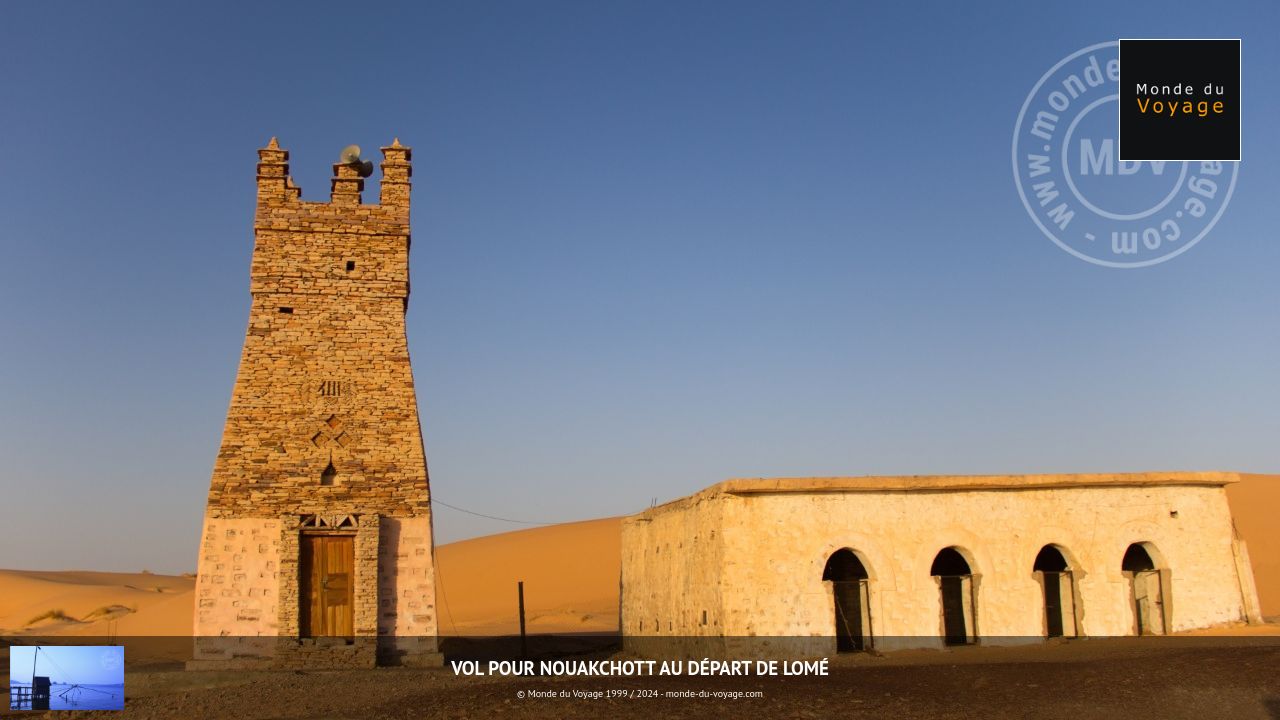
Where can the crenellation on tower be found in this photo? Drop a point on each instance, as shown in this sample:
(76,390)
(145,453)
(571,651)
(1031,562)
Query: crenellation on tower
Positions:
(346,185)
(273,173)
(397,171)
(321,477)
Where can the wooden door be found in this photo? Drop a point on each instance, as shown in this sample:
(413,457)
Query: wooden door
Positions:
(1068,605)
(970,608)
(864,606)
(1052,603)
(1148,602)
(956,613)
(849,614)
(328,586)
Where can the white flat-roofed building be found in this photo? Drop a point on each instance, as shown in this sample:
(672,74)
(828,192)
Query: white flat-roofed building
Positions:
(855,563)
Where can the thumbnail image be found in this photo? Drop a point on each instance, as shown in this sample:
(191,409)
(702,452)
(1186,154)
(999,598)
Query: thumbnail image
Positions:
(66,677)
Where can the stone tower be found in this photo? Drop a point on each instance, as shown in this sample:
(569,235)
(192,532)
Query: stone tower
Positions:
(317,545)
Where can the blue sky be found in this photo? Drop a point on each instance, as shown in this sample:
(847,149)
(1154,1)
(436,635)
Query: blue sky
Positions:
(656,245)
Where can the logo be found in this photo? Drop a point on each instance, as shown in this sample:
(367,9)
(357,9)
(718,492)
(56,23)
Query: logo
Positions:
(1107,211)
(1180,99)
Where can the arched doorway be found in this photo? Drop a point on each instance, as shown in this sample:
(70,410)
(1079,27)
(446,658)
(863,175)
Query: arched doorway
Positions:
(1055,575)
(1149,589)
(851,592)
(955,584)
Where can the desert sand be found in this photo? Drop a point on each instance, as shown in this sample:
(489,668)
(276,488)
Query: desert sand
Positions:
(94,603)
(570,571)
(1255,505)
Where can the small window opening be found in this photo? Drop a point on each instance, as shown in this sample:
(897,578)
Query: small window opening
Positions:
(704,617)
(286,310)
(327,477)
(351,265)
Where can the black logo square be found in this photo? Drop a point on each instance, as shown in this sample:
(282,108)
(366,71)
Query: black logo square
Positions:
(1179,99)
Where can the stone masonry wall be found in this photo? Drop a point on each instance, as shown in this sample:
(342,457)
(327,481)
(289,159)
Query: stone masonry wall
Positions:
(237,586)
(672,580)
(407,619)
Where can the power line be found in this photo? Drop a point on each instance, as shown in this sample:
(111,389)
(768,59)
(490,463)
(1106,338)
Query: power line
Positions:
(490,517)
(443,594)
(50,659)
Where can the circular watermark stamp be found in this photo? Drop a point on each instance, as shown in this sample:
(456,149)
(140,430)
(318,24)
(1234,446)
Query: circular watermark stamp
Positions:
(112,657)
(1104,210)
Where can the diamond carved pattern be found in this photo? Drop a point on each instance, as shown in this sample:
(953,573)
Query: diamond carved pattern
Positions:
(332,432)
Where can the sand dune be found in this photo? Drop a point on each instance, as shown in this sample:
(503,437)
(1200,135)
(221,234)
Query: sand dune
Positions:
(570,571)
(95,603)
(570,575)
(1255,505)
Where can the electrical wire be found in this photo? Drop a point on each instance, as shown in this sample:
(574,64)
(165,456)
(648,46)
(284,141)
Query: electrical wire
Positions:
(490,517)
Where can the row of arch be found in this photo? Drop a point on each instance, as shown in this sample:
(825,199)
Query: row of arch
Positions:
(851,594)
